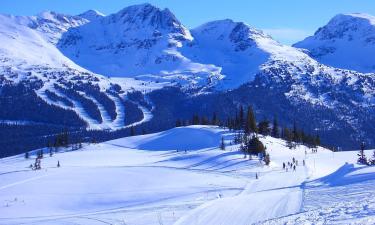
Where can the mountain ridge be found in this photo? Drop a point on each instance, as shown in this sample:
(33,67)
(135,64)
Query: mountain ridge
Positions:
(62,57)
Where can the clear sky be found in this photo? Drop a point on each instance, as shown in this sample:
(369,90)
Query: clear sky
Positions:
(286,20)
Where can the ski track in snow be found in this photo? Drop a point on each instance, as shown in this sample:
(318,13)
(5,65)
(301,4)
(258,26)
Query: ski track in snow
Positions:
(147,114)
(107,123)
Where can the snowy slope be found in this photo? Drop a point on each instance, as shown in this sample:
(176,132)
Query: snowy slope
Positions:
(347,42)
(25,44)
(152,180)
(30,58)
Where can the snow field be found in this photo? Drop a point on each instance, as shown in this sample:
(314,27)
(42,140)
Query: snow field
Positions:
(150,179)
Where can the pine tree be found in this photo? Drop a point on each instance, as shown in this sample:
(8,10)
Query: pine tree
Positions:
(296,135)
(255,146)
(222,145)
(267,159)
(275,128)
(132,131)
(361,155)
(178,123)
(317,140)
(287,135)
(264,127)
(372,161)
(250,125)
(238,138)
(241,118)
(214,120)
(204,120)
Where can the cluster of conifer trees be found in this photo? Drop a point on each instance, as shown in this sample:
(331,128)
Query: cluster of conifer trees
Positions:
(247,129)
(362,159)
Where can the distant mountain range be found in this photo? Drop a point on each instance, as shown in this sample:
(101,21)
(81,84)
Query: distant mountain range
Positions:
(142,67)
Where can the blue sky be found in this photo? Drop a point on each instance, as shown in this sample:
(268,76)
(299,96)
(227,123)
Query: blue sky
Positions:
(286,20)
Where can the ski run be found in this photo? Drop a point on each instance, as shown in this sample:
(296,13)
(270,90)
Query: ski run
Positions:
(181,176)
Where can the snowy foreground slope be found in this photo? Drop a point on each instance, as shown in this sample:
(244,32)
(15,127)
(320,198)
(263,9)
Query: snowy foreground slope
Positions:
(150,179)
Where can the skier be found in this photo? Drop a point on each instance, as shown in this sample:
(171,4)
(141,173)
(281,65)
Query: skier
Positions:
(303,162)
(283,165)
(256,176)
(58,164)
(296,162)
(294,168)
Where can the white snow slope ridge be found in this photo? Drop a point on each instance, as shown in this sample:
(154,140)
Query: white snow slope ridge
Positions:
(166,178)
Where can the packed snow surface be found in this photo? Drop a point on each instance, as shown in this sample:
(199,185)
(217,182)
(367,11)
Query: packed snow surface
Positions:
(180,176)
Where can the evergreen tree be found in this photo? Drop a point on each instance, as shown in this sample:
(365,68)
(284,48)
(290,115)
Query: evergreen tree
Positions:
(264,127)
(255,146)
(214,120)
(132,131)
(372,161)
(204,121)
(178,123)
(361,155)
(195,120)
(275,129)
(241,118)
(287,135)
(267,159)
(317,140)
(296,135)
(250,125)
(238,138)
(222,145)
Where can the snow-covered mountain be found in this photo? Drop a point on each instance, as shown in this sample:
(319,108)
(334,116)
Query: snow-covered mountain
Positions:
(347,42)
(60,61)
(150,42)
(138,40)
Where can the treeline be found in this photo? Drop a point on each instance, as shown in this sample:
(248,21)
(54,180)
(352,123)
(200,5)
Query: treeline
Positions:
(245,124)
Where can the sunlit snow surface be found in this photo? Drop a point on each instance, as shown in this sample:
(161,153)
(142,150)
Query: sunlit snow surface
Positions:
(150,179)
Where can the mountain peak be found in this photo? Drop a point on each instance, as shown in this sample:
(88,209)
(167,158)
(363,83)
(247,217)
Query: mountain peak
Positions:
(147,15)
(239,33)
(91,15)
(347,41)
(346,26)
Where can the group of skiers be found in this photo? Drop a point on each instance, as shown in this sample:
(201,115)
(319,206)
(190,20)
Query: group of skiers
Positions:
(292,165)
(37,164)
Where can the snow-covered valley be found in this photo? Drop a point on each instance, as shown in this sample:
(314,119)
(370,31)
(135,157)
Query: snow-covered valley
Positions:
(181,176)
